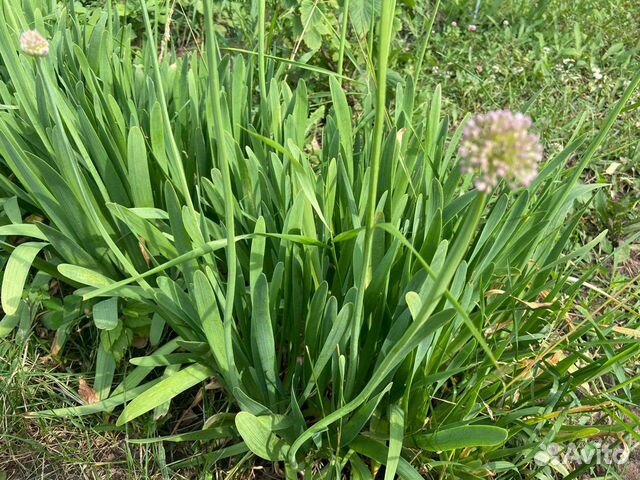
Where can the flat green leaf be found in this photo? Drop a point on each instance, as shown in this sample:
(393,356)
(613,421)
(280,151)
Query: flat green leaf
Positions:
(105,314)
(12,209)
(107,287)
(362,13)
(257,433)
(22,230)
(105,370)
(157,138)
(257,253)
(156,329)
(314,24)
(263,342)
(164,391)
(160,360)
(15,274)
(456,438)
(84,276)
(205,435)
(343,121)
(207,307)
(396,438)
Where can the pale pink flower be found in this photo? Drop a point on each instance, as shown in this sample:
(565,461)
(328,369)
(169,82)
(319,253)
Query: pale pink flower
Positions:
(499,145)
(34,44)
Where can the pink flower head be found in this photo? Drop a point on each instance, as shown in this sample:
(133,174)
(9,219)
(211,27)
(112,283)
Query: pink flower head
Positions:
(34,44)
(499,145)
(472,28)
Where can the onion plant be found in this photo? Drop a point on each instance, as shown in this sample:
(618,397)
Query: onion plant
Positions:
(361,303)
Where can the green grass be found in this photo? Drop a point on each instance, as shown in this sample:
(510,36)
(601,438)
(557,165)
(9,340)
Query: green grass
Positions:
(566,64)
(567,365)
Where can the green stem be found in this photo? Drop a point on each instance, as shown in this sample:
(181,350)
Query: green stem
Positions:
(109,17)
(261,51)
(343,38)
(229,201)
(425,43)
(386,26)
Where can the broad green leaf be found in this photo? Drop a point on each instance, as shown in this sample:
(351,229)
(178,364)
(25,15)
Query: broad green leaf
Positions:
(105,314)
(207,307)
(160,360)
(414,303)
(263,343)
(156,329)
(22,230)
(258,434)
(105,370)
(456,438)
(164,391)
(84,276)
(257,253)
(314,23)
(15,274)
(135,377)
(396,438)
(362,14)
(157,138)
(343,120)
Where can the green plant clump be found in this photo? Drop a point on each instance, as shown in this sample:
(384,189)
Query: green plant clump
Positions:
(363,307)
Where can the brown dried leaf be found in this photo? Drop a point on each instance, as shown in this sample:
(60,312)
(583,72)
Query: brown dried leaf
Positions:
(56,345)
(556,358)
(142,243)
(535,305)
(493,292)
(87,394)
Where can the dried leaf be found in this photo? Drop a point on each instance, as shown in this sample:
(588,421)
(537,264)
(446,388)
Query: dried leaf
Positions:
(142,243)
(612,168)
(496,328)
(400,135)
(627,331)
(493,292)
(556,358)
(56,345)
(87,394)
(536,305)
